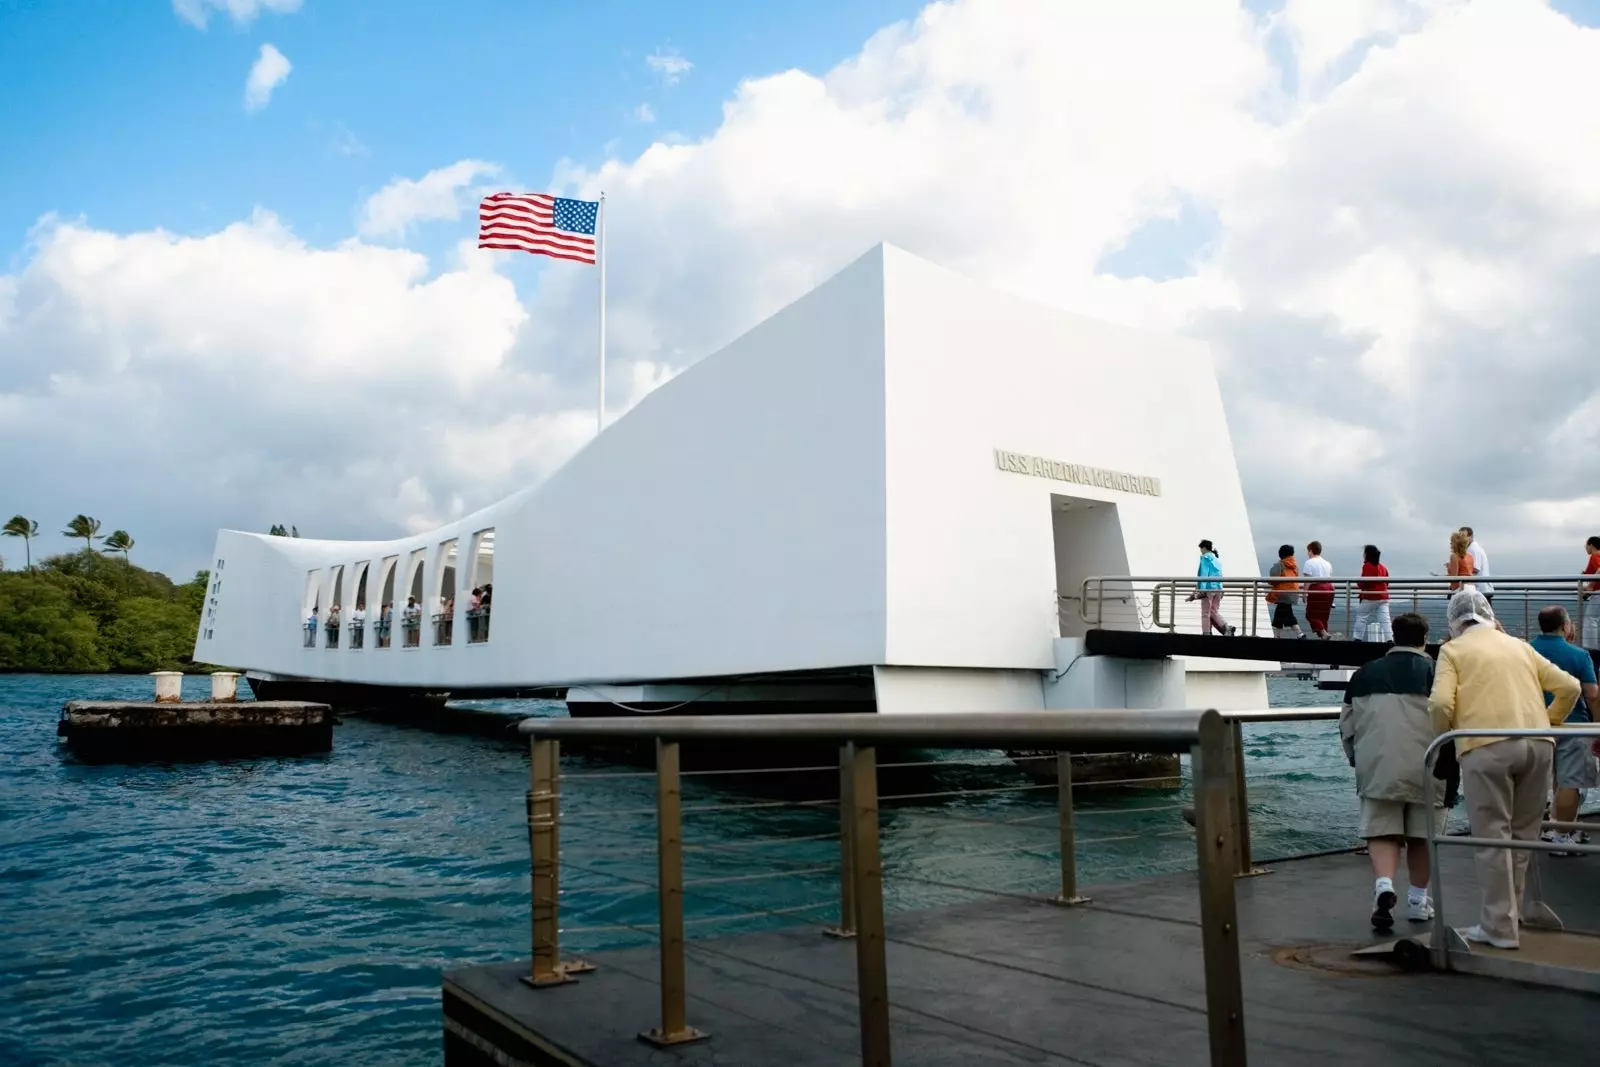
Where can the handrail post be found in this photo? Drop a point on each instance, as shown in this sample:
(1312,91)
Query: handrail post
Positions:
(1219,920)
(1241,804)
(872,968)
(544,849)
(674,1028)
(847,848)
(1069,832)
(1349,617)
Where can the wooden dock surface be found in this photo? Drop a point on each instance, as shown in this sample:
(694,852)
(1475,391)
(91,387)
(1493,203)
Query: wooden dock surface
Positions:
(1011,981)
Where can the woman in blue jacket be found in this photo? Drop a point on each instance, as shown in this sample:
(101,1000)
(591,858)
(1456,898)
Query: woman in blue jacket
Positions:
(1209,592)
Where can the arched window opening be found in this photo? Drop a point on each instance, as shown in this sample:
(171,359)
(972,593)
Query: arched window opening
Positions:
(358,614)
(443,604)
(385,618)
(481,582)
(310,605)
(411,614)
(335,600)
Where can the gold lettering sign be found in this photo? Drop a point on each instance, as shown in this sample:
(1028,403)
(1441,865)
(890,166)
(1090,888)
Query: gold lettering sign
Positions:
(1076,473)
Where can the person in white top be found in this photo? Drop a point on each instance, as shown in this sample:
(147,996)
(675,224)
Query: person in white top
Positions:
(1319,593)
(1480,563)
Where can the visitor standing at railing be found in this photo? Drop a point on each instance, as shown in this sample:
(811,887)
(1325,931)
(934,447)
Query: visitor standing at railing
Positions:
(1575,769)
(1480,564)
(1285,594)
(1372,609)
(1591,609)
(1460,564)
(1486,679)
(1209,593)
(1386,729)
(1319,597)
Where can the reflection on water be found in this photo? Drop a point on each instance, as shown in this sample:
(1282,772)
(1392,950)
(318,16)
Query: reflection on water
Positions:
(299,911)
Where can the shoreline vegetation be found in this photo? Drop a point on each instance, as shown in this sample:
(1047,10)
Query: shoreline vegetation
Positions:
(88,612)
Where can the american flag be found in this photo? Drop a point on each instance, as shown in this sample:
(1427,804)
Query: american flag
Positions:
(539,223)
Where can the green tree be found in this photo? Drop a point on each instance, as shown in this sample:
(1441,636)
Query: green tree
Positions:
(27,529)
(193,592)
(149,635)
(85,527)
(119,541)
(41,629)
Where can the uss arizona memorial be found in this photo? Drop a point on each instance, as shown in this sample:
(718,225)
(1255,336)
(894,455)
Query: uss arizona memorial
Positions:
(886,496)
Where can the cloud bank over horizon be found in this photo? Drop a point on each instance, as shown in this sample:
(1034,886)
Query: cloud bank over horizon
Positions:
(1383,217)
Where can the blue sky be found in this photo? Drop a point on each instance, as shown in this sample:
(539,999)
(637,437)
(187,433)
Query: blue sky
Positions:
(1134,161)
(137,121)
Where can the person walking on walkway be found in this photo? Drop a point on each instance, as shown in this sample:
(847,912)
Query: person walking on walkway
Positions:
(1480,564)
(1319,597)
(1486,679)
(1575,767)
(1285,594)
(1460,564)
(1386,728)
(1372,609)
(1209,592)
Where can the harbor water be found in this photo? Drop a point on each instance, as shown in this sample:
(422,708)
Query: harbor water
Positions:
(300,911)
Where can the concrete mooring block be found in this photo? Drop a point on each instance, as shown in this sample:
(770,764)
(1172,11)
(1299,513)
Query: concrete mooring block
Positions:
(224,687)
(169,686)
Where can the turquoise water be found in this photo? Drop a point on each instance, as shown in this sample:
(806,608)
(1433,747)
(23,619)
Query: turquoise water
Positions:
(300,911)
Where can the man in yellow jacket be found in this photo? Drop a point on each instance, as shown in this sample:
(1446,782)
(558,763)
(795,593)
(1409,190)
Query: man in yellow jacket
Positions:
(1488,680)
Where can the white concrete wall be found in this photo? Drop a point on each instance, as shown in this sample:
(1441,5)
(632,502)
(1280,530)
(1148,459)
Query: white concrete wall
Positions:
(731,523)
(822,493)
(972,565)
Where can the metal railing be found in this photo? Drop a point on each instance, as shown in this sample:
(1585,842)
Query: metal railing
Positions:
(1445,942)
(1168,602)
(358,633)
(332,626)
(477,625)
(1219,814)
(444,628)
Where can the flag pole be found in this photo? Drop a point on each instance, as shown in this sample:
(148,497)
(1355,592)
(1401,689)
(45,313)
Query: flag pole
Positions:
(600,413)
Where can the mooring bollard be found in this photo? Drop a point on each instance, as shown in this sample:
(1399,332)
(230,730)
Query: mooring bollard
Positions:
(169,686)
(224,687)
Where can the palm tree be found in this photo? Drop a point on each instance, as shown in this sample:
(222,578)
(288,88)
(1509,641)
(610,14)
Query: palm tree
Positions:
(26,529)
(85,527)
(119,541)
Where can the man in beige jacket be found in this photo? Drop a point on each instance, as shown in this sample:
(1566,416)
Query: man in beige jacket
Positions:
(1488,680)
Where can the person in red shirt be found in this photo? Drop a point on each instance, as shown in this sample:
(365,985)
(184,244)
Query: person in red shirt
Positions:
(1372,609)
(1589,632)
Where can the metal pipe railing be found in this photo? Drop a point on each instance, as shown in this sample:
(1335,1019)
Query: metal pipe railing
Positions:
(1096,591)
(1439,943)
(1209,738)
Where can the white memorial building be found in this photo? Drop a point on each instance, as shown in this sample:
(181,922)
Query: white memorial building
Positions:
(887,495)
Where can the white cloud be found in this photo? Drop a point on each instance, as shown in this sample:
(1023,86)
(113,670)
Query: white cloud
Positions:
(436,195)
(1399,288)
(266,74)
(644,113)
(669,65)
(198,12)
(346,143)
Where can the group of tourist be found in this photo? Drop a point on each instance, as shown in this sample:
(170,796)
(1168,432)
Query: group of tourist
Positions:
(410,618)
(1291,580)
(1394,708)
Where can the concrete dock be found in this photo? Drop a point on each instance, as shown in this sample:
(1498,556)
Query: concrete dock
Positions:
(1118,981)
(113,731)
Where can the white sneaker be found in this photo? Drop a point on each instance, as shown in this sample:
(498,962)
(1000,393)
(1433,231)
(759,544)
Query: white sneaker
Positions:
(1563,839)
(1384,899)
(1419,910)
(1549,835)
(1476,933)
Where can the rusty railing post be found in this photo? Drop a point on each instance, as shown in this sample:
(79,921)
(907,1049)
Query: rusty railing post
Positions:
(1214,783)
(674,1028)
(847,848)
(1240,805)
(544,849)
(1068,833)
(872,968)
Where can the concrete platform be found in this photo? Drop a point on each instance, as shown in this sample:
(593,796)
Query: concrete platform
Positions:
(104,731)
(1008,981)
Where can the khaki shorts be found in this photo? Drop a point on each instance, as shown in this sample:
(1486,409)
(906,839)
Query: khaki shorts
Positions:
(1394,818)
